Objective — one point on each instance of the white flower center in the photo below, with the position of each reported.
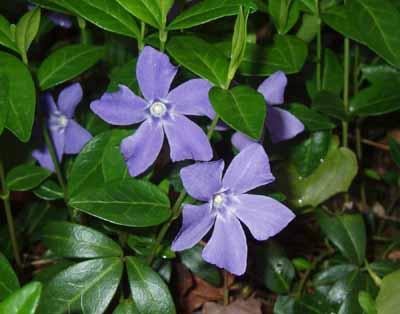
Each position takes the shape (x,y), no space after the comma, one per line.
(218,200)
(58,121)
(158,109)
(63,121)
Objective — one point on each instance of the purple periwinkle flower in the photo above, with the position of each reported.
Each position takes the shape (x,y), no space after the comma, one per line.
(227,203)
(67,135)
(281,124)
(161,111)
(59,19)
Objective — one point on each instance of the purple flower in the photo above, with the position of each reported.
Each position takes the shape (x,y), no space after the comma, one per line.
(67,135)
(227,203)
(60,19)
(281,124)
(161,111)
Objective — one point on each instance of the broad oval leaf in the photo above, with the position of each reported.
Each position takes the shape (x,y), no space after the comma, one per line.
(311,119)
(388,301)
(26,29)
(241,107)
(49,191)
(8,279)
(21,111)
(6,38)
(50,5)
(149,291)
(26,177)
(87,287)
(329,104)
(23,301)
(284,13)
(200,57)
(347,233)
(71,240)
(4,104)
(128,202)
(67,63)
(126,307)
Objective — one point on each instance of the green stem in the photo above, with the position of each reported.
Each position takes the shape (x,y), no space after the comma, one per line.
(163,39)
(10,219)
(345,125)
(142,34)
(377,280)
(319,50)
(84,33)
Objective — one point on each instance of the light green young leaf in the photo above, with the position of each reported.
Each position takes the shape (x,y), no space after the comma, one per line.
(284,13)
(8,279)
(26,177)
(6,37)
(23,301)
(388,301)
(26,30)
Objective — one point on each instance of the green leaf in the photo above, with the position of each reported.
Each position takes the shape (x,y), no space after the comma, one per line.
(208,10)
(8,279)
(150,293)
(76,241)
(4,104)
(128,202)
(192,259)
(309,27)
(200,57)
(284,305)
(338,168)
(333,274)
(126,307)
(26,177)
(367,302)
(284,13)
(309,154)
(6,37)
(152,12)
(388,301)
(67,63)
(311,119)
(380,72)
(347,233)
(125,75)
(100,161)
(26,29)
(48,273)
(332,76)
(380,98)
(382,18)
(241,107)
(49,191)
(21,105)
(315,303)
(395,151)
(108,15)
(330,105)
(87,287)
(23,301)
(144,245)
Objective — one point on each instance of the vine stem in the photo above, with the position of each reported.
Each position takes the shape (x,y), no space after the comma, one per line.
(9,217)
(345,124)
(319,49)
(177,208)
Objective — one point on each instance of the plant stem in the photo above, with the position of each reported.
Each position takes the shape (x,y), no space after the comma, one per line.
(319,49)
(163,39)
(377,280)
(345,141)
(226,288)
(10,219)
(142,33)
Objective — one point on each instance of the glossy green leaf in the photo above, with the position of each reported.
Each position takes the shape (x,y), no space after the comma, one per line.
(315,303)
(50,5)
(329,104)
(87,287)
(26,29)
(333,274)
(367,303)
(21,105)
(8,279)
(6,37)
(23,301)
(311,119)
(49,191)
(100,161)
(395,151)
(125,75)
(377,73)
(241,107)
(128,202)
(308,28)
(67,63)
(208,10)
(150,293)
(382,19)
(4,104)
(347,233)
(284,13)
(71,240)
(48,273)
(144,245)
(126,307)
(388,301)
(26,177)
(284,305)
(200,57)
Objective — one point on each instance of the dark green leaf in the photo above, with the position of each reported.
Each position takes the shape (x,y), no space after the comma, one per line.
(309,27)
(4,104)
(284,305)
(87,287)
(395,151)
(71,240)
(48,273)
(347,233)
(26,29)
(6,37)
(314,304)
(329,104)
(380,72)
(333,274)
(26,177)
(8,279)
(384,267)
(125,75)
(388,301)
(23,301)
(128,202)
(49,191)
(332,76)
(284,13)
(50,5)
(200,57)
(311,119)
(150,293)
(126,307)
(21,105)
(67,63)
(143,245)
(241,107)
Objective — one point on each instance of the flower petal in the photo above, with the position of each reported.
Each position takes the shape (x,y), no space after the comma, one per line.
(142,148)
(191,98)
(154,73)
(273,88)
(120,108)
(75,137)
(48,103)
(196,222)
(43,158)
(264,216)
(58,139)
(60,19)
(203,179)
(69,98)
(282,125)
(241,141)
(186,139)
(248,170)
(227,247)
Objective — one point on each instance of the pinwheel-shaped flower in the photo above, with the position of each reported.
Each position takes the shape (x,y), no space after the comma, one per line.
(281,124)
(227,203)
(160,111)
(67,135)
